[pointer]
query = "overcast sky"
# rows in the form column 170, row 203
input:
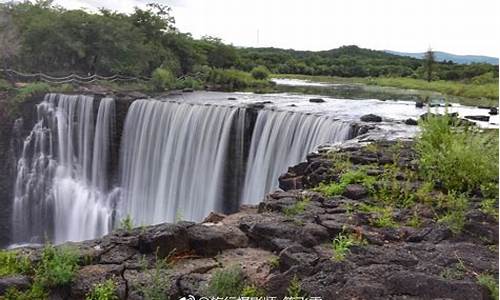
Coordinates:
column 457, row 26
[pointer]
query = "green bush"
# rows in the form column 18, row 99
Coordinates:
column 159, row 280
column 5, row 86
column 127, row 223
column 461, row 159
column 341, row 245
column 294, row 289
column 231, row 79
column 13, row 263
column 103, row 291
column 260, row 72
column 57, row 266
column 455, row 207
column 162, row 79
column 490, row 283
column 227, row 282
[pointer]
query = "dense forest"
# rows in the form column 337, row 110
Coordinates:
column 41, row 37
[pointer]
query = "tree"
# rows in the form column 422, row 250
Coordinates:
column 9, row 37
column 429, row 64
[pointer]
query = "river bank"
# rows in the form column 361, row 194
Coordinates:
column 473, row 94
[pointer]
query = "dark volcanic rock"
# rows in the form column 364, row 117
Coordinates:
column 433, row 287
column 316, row 100
column 210, row 240
column 163, row 239
column 419, row 104
column 411, row 122
column 371, row 118
column 493, row 111
column 478, row 118
column 18, row 282
column 355, row 191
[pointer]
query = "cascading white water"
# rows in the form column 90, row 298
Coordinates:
column 61, row 188
column 177, row 160
column 283, row 139
column 173, row 159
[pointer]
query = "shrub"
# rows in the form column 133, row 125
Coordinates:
column 57, row 266
column 32, row 89
column 227, row 282
column 260, row 72
column 13, row 263
column 297, row 208
column 252, row 291
column 455, row 206
column 156, row 288
column 349, row 177
column 231, row 79
column 127, row 223
column 5, row 86
column 490, row 283
column 459, row 159
column 103, row 291
column 341, row 245
column 162, row 79
column 294, row 289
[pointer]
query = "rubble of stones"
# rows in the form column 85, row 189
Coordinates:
column 394, row 263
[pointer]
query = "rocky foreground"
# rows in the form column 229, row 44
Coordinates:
column 289, row 237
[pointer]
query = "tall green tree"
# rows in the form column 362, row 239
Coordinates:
column 429, row 61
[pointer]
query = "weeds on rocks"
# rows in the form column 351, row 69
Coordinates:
column 12, row 263
column 103, row 291
column 226, row 282
column 56, row 268
column 342, row 243
column 294, row 289
column 490, row 283
column 358, row 176
column 299, row 207
column 455, row 207
column 156, row 287
column 127, row 223
column 458, row 159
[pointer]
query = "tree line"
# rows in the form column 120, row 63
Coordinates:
column 41, row 37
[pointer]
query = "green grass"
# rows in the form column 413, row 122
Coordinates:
column 461, row 159
column 490, row 207
column 127, row 223
column 12, row 263
column 231, row 80
column 490, row 283
column 349, row 177
column 294, row 289
column 159, row 279
column 298, row 208
column 455, row 206
column 56, row 268
column 103, row 291
column 341, row 245
column 226, row 282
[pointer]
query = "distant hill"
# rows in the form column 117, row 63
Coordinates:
column 460, row 59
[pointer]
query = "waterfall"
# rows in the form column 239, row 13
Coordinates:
column 173, row 159
column 176, row 161
column 283, row 139
column 61, row 189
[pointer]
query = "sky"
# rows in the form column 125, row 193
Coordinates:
column 456, row 26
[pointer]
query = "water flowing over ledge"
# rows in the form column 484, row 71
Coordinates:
column 177, row 161
column 61, row 189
